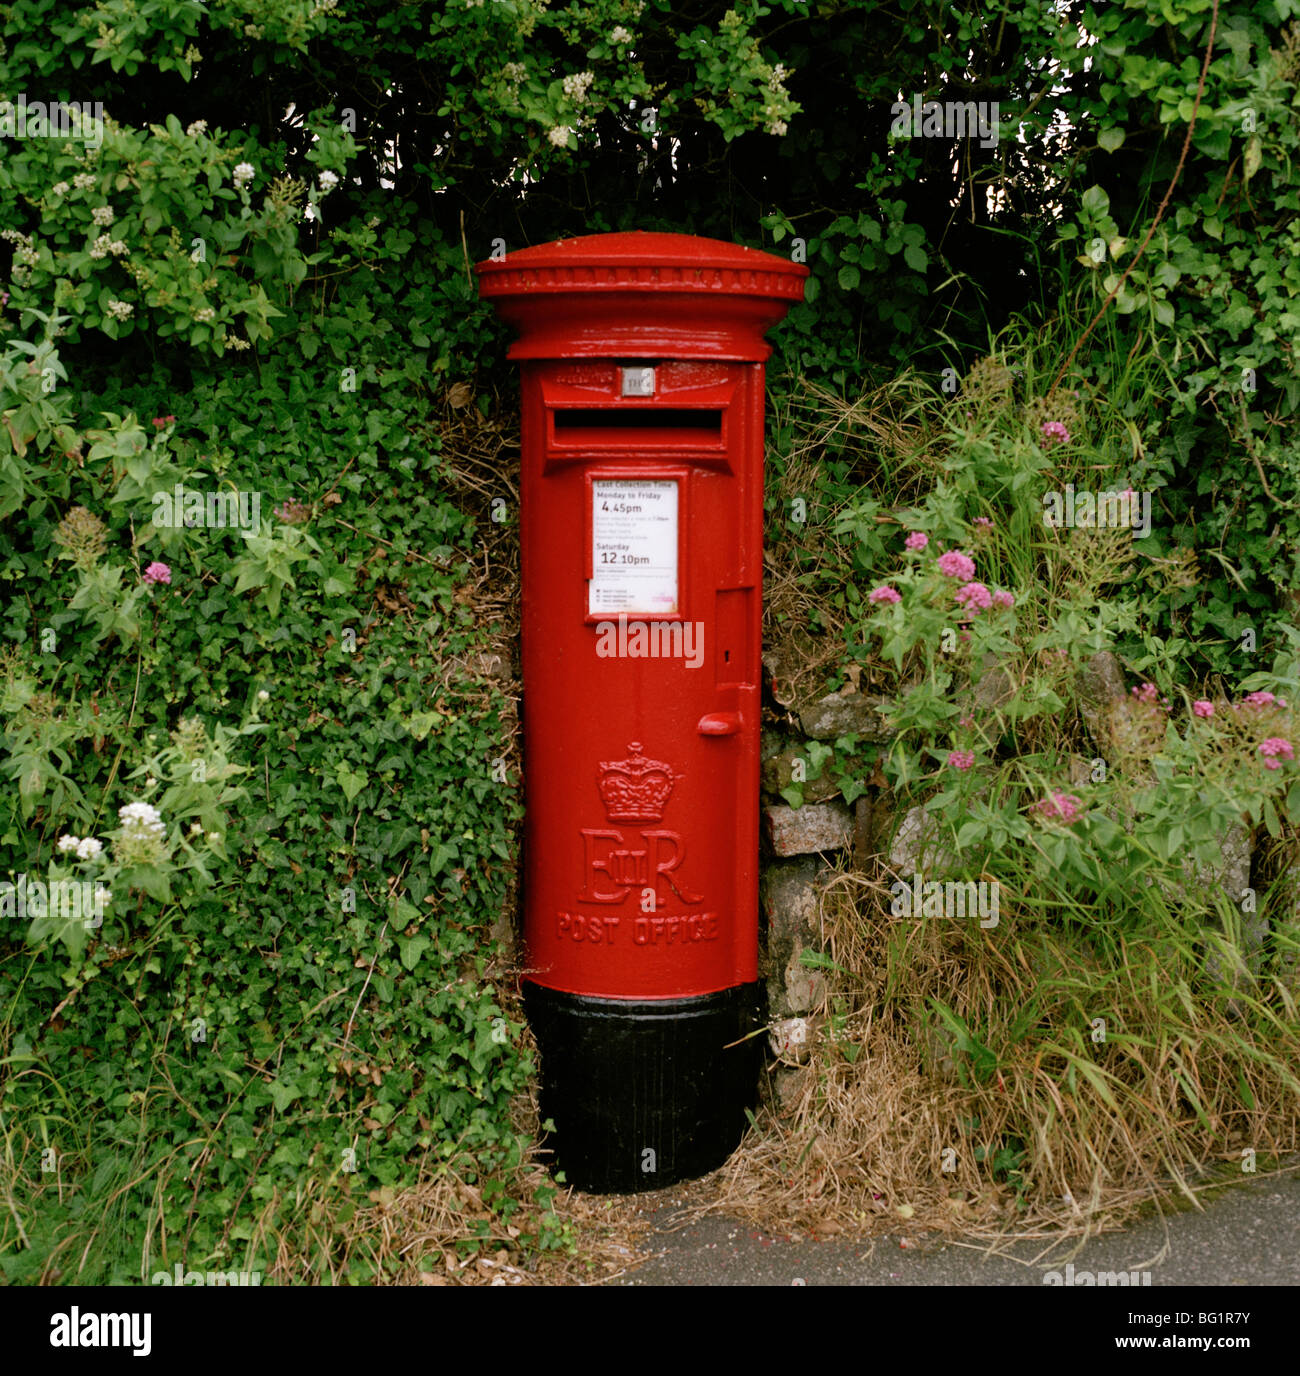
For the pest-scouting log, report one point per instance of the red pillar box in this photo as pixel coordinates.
(642, 546)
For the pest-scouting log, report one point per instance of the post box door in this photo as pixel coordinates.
(642, 547)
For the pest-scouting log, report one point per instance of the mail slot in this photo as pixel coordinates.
(641, 534)
(641, 418)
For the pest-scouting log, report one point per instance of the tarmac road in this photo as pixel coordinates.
(1248, 1236)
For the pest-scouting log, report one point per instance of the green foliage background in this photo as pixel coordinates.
(303, 321)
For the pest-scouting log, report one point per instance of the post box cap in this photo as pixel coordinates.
(641, 295)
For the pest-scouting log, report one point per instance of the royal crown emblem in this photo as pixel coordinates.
(635, 789)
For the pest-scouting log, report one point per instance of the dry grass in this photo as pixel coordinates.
(859, 1146)
(440, 1231)
(886, 435)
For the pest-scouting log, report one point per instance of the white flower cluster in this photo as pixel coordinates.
(59, 189)
(25, 254)
(204, 314)
(142, 817)
(577, 85)
(559, 136)
(103, 246)
(84, 181)
(87, 848)
(514, 71)
(777, 79)
(200, 126)
(328, 181)
(102, 215)
(243, 174)
(618, 36)
(120, 310)
(142, 840)
(239, 345)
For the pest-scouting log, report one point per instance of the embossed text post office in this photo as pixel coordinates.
(641, 530)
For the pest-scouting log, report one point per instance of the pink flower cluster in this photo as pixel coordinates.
(1275, 750)
(1201, 708)
(961, 759)
(1056, 432)
(1263, 700)
(955, 564)
(1062, 807)
(974, 597)
(157, 573)
(160, 421)
(1149, 693)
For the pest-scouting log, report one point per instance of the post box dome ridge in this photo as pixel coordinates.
(691, 296)
(638, 247)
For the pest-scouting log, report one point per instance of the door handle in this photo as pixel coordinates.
(719, 724)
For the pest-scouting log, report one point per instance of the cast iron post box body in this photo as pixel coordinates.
(642, 545)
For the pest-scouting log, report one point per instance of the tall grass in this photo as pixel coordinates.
(1129, 1028)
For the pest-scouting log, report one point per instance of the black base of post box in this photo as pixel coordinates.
(645, 1093)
